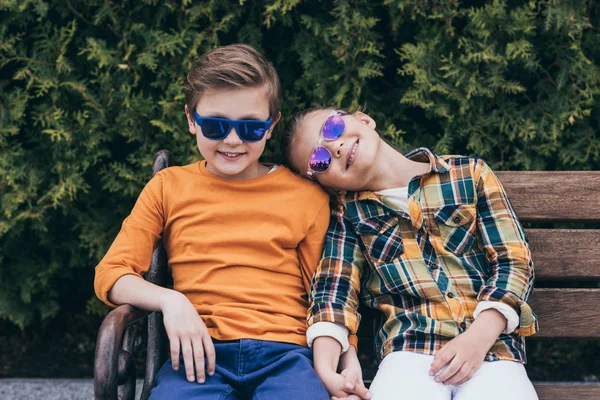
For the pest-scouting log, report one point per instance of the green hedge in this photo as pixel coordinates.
(91, 90)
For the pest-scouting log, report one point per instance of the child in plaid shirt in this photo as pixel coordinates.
(433, 243)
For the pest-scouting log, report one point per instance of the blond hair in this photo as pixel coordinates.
(233, 66)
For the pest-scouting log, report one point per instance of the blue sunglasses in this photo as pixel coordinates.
(249, 130)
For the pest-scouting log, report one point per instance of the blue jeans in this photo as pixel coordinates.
(247, 369)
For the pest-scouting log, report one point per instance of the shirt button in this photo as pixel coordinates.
(450, 295)
(456, 219)
(463, 325)
(421, 231)
(434, 266)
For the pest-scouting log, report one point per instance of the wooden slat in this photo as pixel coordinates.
(565, 253)
(553, 391)
(567, 313)
(564, 391)
(550, 196)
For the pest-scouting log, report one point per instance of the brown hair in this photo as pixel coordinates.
(233, 66)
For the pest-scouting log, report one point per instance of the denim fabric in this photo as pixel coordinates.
(247, 369)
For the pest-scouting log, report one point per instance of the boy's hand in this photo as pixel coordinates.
(186, 329)
(348, 383)
(352, 371)
(463, 355)
(356, 385)
(343, 386)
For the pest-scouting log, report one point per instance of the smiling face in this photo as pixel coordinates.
(231, 157)
(352, 154)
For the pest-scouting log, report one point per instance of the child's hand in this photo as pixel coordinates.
(342, 386)
(326, 352)
(185, 328)
(356, 385)
(352, 371)
(463, 355)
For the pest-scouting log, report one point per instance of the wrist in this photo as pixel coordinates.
(167, 297)
(481, 334)
(351, 350)
(323, 367)
(326, 354)
(349, 358)
(327, 344)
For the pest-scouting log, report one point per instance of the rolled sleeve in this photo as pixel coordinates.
(335, 288)
(507, 251)
(331, 329)
(131, 251)
(512, 318)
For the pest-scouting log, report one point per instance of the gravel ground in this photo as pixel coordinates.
(50, 389)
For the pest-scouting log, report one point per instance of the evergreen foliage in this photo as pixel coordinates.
(91, 90)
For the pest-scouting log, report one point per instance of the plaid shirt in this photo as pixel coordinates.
(427, 271)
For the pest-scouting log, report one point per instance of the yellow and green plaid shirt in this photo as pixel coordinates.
(427, 271)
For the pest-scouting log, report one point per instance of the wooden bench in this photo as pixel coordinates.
(565, 255)
(544, 198)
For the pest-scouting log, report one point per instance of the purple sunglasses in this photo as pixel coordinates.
(320, 157)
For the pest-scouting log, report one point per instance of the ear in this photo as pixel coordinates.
(190, 120)
(365, 119)
(273, 123)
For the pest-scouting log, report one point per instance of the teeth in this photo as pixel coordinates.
(352, 154)
(232, 154)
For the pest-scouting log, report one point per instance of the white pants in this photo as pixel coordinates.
(404, 375)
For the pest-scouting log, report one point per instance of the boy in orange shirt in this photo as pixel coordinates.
(243, 241)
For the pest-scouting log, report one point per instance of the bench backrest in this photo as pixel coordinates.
(567, 255)
(561, 254)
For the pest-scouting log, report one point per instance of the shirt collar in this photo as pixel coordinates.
(423, 154)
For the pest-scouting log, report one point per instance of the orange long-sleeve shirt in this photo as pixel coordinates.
(242, 251)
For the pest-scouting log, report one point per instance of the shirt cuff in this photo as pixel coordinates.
(353, 340)
(512, 318)
(337, 331)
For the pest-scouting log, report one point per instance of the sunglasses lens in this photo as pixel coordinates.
(320, 159)
(252, 131)
(215, 129)
(333, 128)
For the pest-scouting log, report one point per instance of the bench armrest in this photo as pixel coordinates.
(113, 364)
(114, 368)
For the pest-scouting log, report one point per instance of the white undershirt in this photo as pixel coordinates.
(395, 198)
